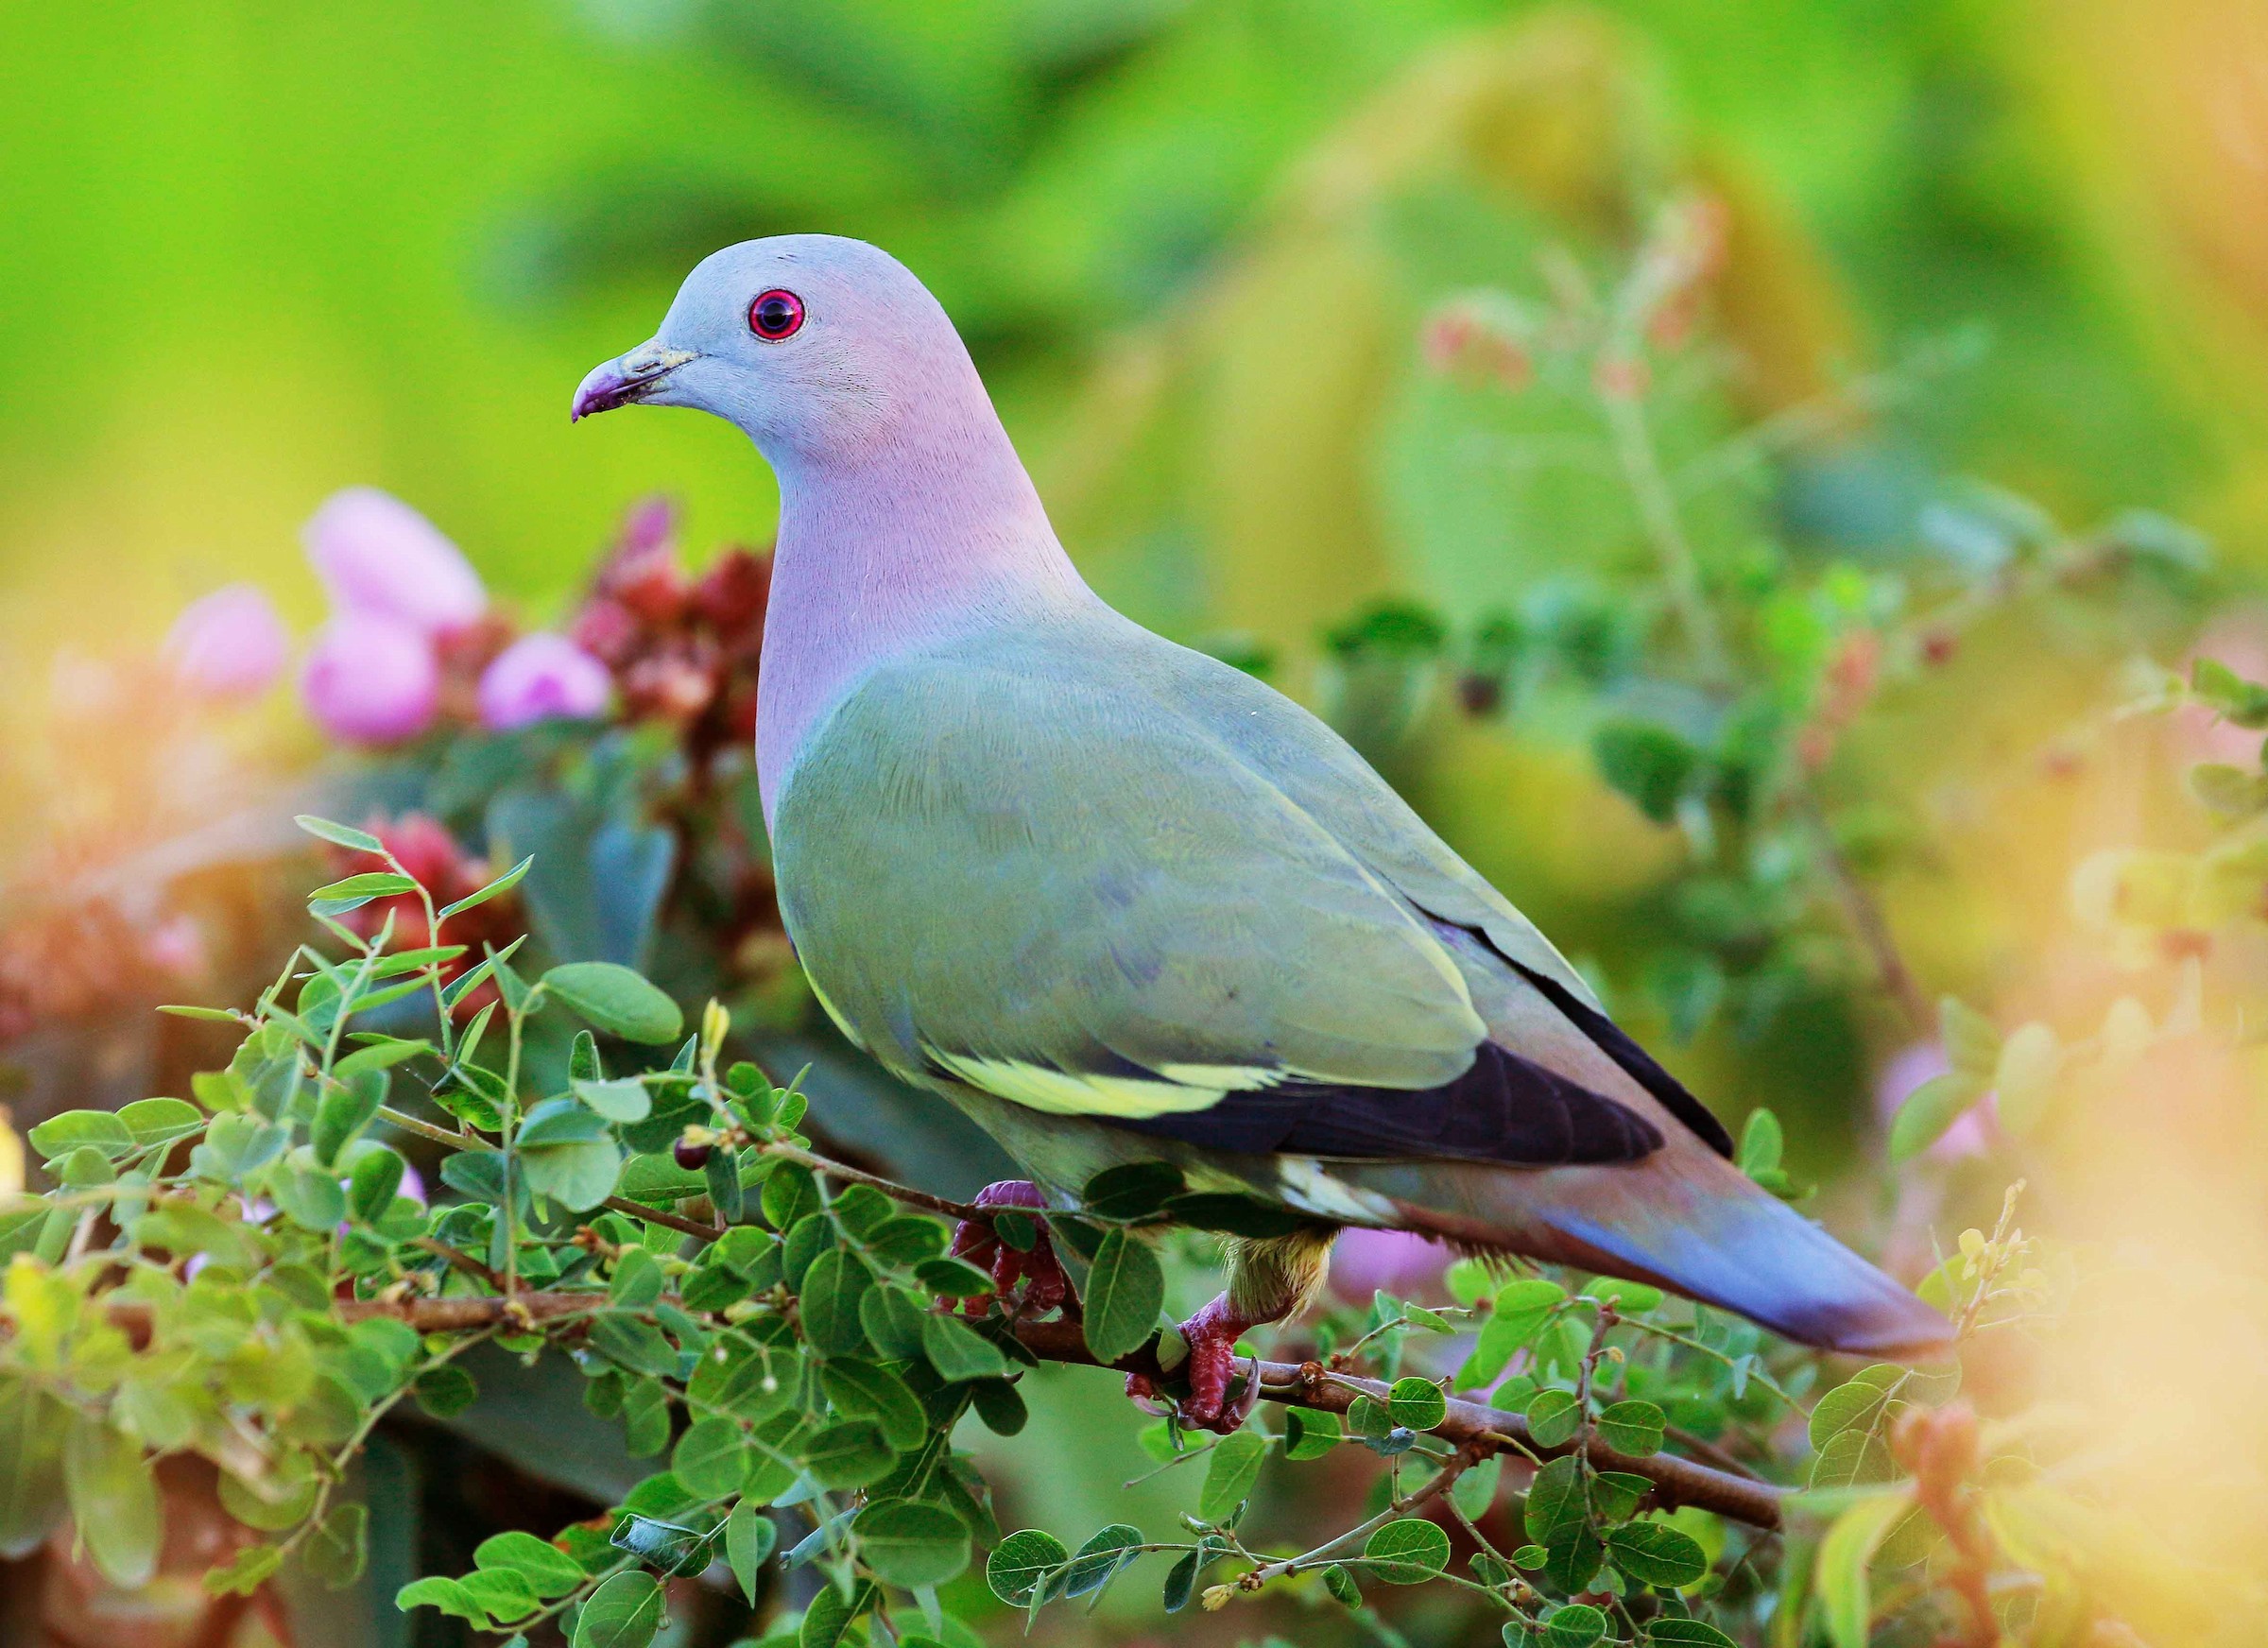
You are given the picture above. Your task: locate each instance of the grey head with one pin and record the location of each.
(816, 346)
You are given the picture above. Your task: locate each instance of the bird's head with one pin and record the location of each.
(812, 344)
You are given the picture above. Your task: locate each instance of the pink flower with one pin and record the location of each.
(377, 555)
(371, 679)
(539, 678)
(1970, 1135)
(228, 644)
(1367, 1260)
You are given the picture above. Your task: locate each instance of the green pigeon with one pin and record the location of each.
(1122, 903)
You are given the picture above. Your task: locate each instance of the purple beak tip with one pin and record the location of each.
(602, 391)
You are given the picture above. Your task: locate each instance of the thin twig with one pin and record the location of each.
(1868, 922)
(897, 1192)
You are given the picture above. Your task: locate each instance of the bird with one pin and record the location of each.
(1122, 903)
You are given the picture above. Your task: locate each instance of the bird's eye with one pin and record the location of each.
(776, 314)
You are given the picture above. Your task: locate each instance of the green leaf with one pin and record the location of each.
(372, 1184)
(502, 883)
(1339, 1581)
(311, 1200)
(1656, 1553)
(1855, 1405)
(832, 1292)
(345, 1110)
(749, 1535)
(2244, 702)
(1230, 1474)
(1023, 1563)
(445, 1594)
(1417, 1404)
(1574, 1625)
(1000, 1405)
(862, 1390)
(251, 1567)
(1632, 1428)
(382, 1054)
(1309, 1432)
(1555, 1501)
(1687, 1634)
(623, 1100)
(339, 834)
(339, 1550)
(1180, 1580)
(560, 1120)
(160, 1121)
(1839, 1572)
(635, 1344)
(849, 1454)
(337, 898)
(711, 1458)
(1554, 1418)
(1474, 1490)
(577, 1176)
(1647, 762)
(624, 1612)
(893, 1320)
(549, 1572)
(1125, 1290)
(1094, 1564)
(114, 1494)
(1407, 1552)
(1615, 1495)
(2024, 1081)
(616, 1000)
(1132, 1190)
(1762, 1143)
(501, 1593)
(736, 1375)
(1929, 1111)
(1632, 1298)
(1972, 1042)
(911, 1543)
(1521, 1310)
(790, 1195)
(100, 1130)
(637, 1279)
(445, 1391)
(957, 1352)
(829, 1616)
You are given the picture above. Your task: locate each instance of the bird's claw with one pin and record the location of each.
(1210, 1335)
(1045, 1286)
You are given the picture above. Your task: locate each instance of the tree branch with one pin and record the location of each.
(1477, 1429)
(1486, 1429)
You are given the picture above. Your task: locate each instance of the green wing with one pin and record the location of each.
(1024, 871)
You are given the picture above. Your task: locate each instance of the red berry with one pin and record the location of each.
(690, 1157)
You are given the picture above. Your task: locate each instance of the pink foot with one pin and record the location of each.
(1045, 1286)
(1211, 1335)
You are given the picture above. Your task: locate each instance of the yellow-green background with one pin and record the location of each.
(252, 252)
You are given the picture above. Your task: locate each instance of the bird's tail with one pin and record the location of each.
(1701, 1229)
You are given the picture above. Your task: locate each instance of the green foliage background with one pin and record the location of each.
(255, 252)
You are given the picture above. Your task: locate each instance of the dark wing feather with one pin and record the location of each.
(1503, 1109)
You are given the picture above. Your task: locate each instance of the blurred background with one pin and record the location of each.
(1724, 463)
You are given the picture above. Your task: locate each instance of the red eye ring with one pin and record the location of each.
(776, 314)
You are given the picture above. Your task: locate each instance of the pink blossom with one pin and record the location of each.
(377, 555)
(371, 680)
(1367, 1260)
(228, 645)
(1970, 1135)
(539, 678)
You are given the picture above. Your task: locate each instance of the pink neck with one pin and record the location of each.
(933, 532)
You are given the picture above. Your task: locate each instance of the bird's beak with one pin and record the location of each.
(628, 379)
